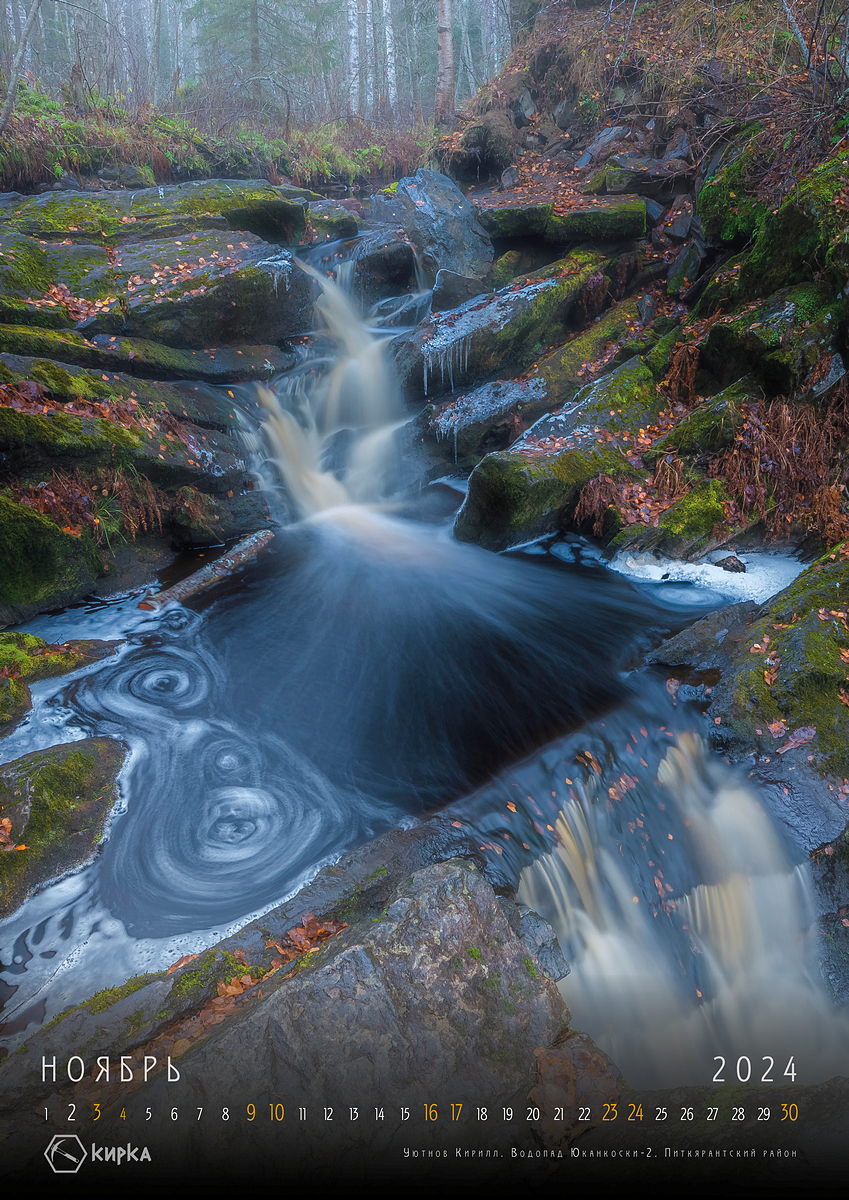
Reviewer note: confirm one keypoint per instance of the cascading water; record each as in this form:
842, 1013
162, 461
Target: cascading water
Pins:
371, 669
687, 926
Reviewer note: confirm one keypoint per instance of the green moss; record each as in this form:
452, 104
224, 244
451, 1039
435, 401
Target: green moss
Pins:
28, 438
512, 498
104, 1000
780, 340
520, 338
729, 212
474, 952
623, 401
357, 901
807, 235
65, 345
57, 787
608, 219
659, 357
611, 220
57, 802
24, 657
708, 427
37, 560
561, 368
696, 514
799, 672
194, 985
505, 269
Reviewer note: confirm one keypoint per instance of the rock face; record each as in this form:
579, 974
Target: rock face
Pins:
254, 206
441, 223
432, 1000
56, 803
528, 489
109, 299
490, 332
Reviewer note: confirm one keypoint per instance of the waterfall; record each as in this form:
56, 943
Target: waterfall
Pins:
685, 922
349, 413
370, 670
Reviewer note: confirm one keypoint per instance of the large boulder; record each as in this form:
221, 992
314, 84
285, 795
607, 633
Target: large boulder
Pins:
141, 356
781, 340
434, 999
486, 418
591, 218
531, 489
56, 803
203, 289
440, 221
786, 688
490, 332
114, 217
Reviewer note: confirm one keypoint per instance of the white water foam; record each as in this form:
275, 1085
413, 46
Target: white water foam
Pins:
766, 573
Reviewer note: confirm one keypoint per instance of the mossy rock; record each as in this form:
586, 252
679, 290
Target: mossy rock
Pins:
139, 356
41, 566
780, 341
684, 269
64, 381
28, 438
485, 419
34, 444
331, 221
562, 368
29, 269
730, 214
794, 668
685, 529
659, 357
487, 146
255, 206
622, 401
602, 219
489, 334
532, 488
514, 497
520, 260
57, 802
24, 658
206, 288
707, 428
805, 236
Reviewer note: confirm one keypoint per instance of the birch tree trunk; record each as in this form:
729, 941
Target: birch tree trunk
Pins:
444, 100
363, 95
353, 81
16, 65
155, 60
391, 76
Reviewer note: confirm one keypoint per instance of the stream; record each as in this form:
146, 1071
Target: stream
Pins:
369, 670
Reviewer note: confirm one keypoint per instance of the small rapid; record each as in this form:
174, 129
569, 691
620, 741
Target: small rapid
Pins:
369, 670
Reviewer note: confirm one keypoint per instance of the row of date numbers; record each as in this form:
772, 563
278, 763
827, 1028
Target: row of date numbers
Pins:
277, 1112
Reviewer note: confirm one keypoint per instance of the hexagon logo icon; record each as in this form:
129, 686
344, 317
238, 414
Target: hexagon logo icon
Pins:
66, 1153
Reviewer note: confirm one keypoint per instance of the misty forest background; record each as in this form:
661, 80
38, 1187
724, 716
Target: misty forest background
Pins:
354, 69
363, 91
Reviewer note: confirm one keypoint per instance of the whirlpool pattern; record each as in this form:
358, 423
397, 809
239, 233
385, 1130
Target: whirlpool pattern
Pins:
224, 814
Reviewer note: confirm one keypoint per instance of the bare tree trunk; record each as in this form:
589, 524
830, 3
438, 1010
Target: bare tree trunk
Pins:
255, 54
444, 100
363, 82
155, 52
353, 80
16, 65
391, 74
797, 32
